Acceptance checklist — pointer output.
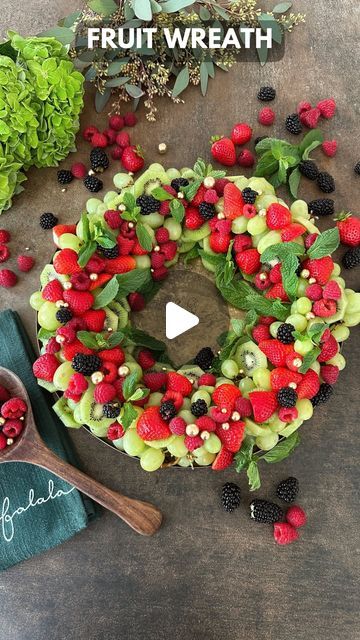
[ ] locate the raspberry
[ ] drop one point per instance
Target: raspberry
(89, 132)
(116, 122)
(284, 533)
(159, 274)
(177, 426)
(324, 308)
(262, 281)
(207, 380)
(211, 196)
(116, 153)
(146, 359)
(3, 442)
(288, 415)
(329, 147)
(205, 423)
(329, 373)
(4, 253)
(242, 242)
(111, 135)
(220, 185)
(266, 116)
(4, 394)
(4, 236)
(52, 346)
(13, 408)
(78, 170)
(327, 108)
(246, 158)
(314, 292)
(193, 442)
(112, 219)
(310, 118)
(104, 392)
(7, 278)
(13, 428)
(80, 281)
(157, 260)
(162, 235)
(99, 140)
(123, 139)
(296, 516)
(130, 119)
(169, 249)
(136, 301)
(332, 291)
(25, 263)
(115, 431)
(243, 407)
(303, 106)
(78, 384)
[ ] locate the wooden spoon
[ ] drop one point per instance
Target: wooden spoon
(143, 517)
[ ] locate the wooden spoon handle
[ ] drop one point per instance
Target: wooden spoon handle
(143, 517)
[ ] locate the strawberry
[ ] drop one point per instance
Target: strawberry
(275, 351)
(207, 380)
(65, 262)
(59, 229)
(151, 425)
(132, 159)
(219, 243)
(241, 133)
(277, 291)
(231, 435)
(285, 533)
(329, 373)
(327, 108)
(266, 116)
(45, 366)
(178, 382)
(329, 147)
(294, 361)
(155, 380)
(175, 397)
(115, 355)
(332, 291)
(329, 349)
(199, 196)
(146, 359)
(292, 231)
(309, 385)
(242, 241)
(246, 158)
(193, 219)
(233, 202)
(78, 301)
(277, 216)
(53, 291)
(324, 308)
(248, 261)
(275, 274)
(310, 239)
(70, 350)
(225, 395)
(314, 292)
(223, 460)
(263, 403)
(310, 118)
(122, 264)
(94, 320)
(102, 279)
(319, 268)
(260, 332)
(223, 151)
(349, 230)
(281, 377)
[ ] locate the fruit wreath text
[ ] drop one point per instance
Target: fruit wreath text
(274, 366)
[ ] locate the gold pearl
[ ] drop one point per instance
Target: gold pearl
(157, 249)
(305, 273)
(97, 377)
(91, 172)
(310, 315)
(225, 426)
(93, 276)
(312, 280)
(123, 370)
(9, 441)
(2, 421)
(209, 182)
(131, 225)
(67, 286)
(60, 339)
(220, 216)
(121, 207)
(180, 195)
(235, 416)
(63, 190)
(297, 362)
(205, 435)
(162, 148)
(192, 430)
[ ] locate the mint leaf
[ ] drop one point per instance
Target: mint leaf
(129, 201)
(139, 394)
(253, 476)
(114, 340)
(129, 385)
(191, 190)
(43, 334)
(267, 165)
(237, 326)
(88, 339)
(85, 253)
(294, 181)
(143, 236)
(309, 359)
(132, 281)
(282, 450)
(325, 244)
(281, 250)
(316, 330)
(177, 210)
(107, 294)
(310, 148)
(243, 457)
(289, 266)
(143, 339)
(315, 135)
(160, 194)
(128, 415)
(105, 242)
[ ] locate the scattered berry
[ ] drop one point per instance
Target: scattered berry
(351, 258)
(293, 124)
(241, 133)
(329, 147)
(48, 221)
(327, 108)
(25, 263)
(89, 132)
(99, 140)
(246, 158)
(223, 151)
(7, 278)
(116, 122)
(325, 182)
(4, 236)
(323, 395)
(98, 160)
(357, 168)
(266, 94)
(288, 489)
(130, 119)
(265, 511)
(64, 176)
(4, 253)
(266, 117)
(111, 135)
(123, 139)
(116, 153)
(284, 533)
(78, 170)
(310, 118)
(93, 184)
(309, 169)
(296, 516)
(230, 496)
(303, 106)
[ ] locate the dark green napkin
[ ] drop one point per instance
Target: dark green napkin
(37, 510)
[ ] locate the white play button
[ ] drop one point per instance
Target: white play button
(178, 320)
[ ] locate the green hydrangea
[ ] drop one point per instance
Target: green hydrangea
(41, 97)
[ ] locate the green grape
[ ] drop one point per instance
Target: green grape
(239, 225)
(101, 209)
(260, 184)
(339, 361)
(299, 209)
(353, 305)
(276, 425)
(293, 308)
(298, 321)
(246, 385)
(133, 444)
(291, 427)
(305, 409)
(152, 459)
(303, 346)
(47, 316)
(256, 239)
(184, 462)
(213, 444)
(352, 319)
(206, 388)
(187, 416)
(220, 381)
(154, 399)
(256, 225)
(267, 441)
(173, 227)
(134, 367)
(341, 333)
(261, 377)
(304, 305)
(92, 205)
(173, 173)
(153, 221)
(121, 180)
(142, 262)
(253, 428)
(274, 328)
(205, 458)
(264, 201)
(229, 369)
(62, 376)
(201, 395)
(70, 241)
(301, 287)
(186, 403)
(336, 270)
(316, 367)
(272, 237)
(341, 282)
(36, 300)
(109, 196)
(177, 447)
(119, 443)
(241, 182)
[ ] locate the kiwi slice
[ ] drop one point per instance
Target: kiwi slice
(65, 414)
(92, 414)
(49, 386)
(185, 247)
(208, 265)
(153, 177)
(194, 235)
(341, 305)
(48, 273)
(290, 428)
(249, 357)
(160, 444)
(111, 320)
(207, 248)
(191, 371)
(121, 313)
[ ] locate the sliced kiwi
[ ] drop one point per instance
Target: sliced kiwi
(249, 357)
(194, 235)
(111, 320)
(153, 177)
(77, 414)
(207, 248)
(191, 371)
(185, 247)
(121, 313)
(48, 273)
(65, 414)
(208, 265)
(92, 414)
(291, 427)
(160, 444)
(49, 386)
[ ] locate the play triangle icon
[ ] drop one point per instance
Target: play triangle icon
(178, 320)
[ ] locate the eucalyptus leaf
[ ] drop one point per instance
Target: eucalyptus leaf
(134, 91)
(204, 78)
(142, 9)
(116, 66)
(101, 99)
(181, 82)
(116, 82)
(65, 35)
(170, 6)
(267, 21)
(282, 7)
(103, 7)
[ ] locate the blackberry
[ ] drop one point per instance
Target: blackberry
(199, 408)
(204, 358)
(357, 168)
(98, 160)
(230, 496)
(325, 182)
(265, 511)
(287, 397)
(64, 176)
(177, 183)
(86, 364)
(322, 207)
(63, 315)
(207, 210)
(288, 489)
(266, 94)
(109, 253)
(293, 124)
(258, 139)
(309, 169)
(351, 258)
(111, 410)
(284, 333)
(168, 410)
(249, 195)
(322, 395)
(48, 220)
(93, 184)
(147, 204)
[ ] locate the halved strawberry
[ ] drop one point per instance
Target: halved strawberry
(53, 291)
(70, 350)
(94, 319)
(275, 351)
(329, 349)
(225, 395)
(122, 264)
(309, 386)
(319, 268)
(115, 355)
(231, 435)
(151, 426)
(263, 403)
(277, 291)
(66, 262)
(281, 377)
(292, 231)
(175, 397)
(199, 196)
(223, 460)
(233, 202)
(78, 301)
(102, 279)
(178, 382)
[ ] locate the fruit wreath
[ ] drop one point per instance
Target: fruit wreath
(247, 401)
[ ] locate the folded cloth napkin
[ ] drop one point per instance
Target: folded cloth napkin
(37, 510)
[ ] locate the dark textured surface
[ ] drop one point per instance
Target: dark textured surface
(208, 574)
